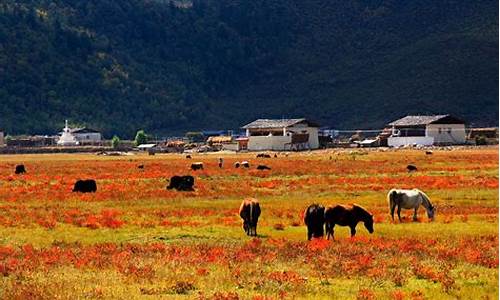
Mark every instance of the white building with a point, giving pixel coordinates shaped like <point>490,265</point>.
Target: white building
<point>2,139</point>
<point>427,131</point>
<point>86,135</point>
<point>282,134</point>
<point>67,138</point>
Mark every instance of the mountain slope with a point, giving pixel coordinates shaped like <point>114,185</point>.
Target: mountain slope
<point>123,65</point>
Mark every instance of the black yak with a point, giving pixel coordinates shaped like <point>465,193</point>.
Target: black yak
<point>314,218</point>
<point>263,167</point>
<point>85,186</point>
<point>20,169</point>
<point>250,212</point>
<point>197,166</point>
<point>411,168</point>
<point>181,183</point>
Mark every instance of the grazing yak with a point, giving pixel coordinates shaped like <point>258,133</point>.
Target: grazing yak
<point>140,166</point>
<point>263,167</point>
<point>197,166</point>
<point>188,156</point>
<point>263,155</point>
<point>250,212</point>
<point>85,186</point>
<point>181,183</point>
<point>314,218</point>
<point>429,152</point>
<point>237,164</point>
<point>411,168</point>
<point>20,169</point>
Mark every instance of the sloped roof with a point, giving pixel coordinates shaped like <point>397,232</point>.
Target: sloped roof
<point>426,120</point>
<point>220,139</point>
<point>277,123</point>
<point>83,130</point>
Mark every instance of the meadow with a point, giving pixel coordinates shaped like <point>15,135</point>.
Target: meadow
<point>135,239</point>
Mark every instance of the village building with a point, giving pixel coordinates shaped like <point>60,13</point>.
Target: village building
<point>282,134</point>
<point>427,131</point>
<point>87,136</point>
<point>485,136</point>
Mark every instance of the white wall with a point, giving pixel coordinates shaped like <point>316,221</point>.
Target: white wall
<point>2,140</point>
<point>231,147</point>
<point>313,134</point>
<point>88,137</point>
<point>446,133</point>
<point>398,141</point>
<point>259,143</point>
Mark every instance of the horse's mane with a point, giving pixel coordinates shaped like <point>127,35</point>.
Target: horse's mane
<point>424,195</point>
<point>361,209</point>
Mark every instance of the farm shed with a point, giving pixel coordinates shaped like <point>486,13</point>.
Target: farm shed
<point>282,134</point>
<point>427,131</point>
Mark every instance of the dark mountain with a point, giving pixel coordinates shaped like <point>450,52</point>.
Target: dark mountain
<point>122,65</point>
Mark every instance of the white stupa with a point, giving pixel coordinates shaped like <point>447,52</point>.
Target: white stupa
<point>67,138</point>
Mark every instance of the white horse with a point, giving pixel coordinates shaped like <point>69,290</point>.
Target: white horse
<point>409,199</point>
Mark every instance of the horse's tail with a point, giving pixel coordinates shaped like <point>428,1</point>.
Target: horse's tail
<point>391,197</point>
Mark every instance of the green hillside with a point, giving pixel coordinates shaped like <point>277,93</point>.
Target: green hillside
<point>121,65</point>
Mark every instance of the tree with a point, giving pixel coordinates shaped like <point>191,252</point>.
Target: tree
<point>141,138</point>
<point>115,142</point>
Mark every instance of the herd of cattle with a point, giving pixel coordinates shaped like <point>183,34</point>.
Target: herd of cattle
<point>317,218</point>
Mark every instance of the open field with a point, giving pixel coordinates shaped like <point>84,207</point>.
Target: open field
<point>135,239</point>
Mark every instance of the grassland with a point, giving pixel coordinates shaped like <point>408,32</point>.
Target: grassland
<point>135,239</point>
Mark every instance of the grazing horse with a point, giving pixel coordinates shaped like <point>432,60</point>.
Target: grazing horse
<point>409,199</point>
<point>347,215</point>
<point>314,218</point>
<point>250,212</point>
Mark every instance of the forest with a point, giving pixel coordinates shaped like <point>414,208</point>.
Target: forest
<point>170,66</point>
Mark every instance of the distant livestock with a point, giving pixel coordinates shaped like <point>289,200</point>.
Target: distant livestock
<point>85,186</point>
<point>263,155</point>
<point>245,164</point>
<point>263,167</point>
<point>429,152</point>
<point>140,166</point>
<point>197,166</point>
<point>221,162</point>
<point>237,164</point>
<point>347,215</point>
<point>314,218</point>
<point>181,183</point>
<point>411,168</point>
<point>20,169</point>
<point>188,156</point>
<point>250,212</point>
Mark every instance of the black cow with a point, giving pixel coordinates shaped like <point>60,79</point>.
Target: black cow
<point>140,166</point>
<point>314,218</point>
<point>20,169</point>
<point>411,168</point>
<point>250,212</point>
<point>263,167</point>
<point>181,183</point>
<point>197,166</point>
<point>85,186</point>
<point>188,156</point>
